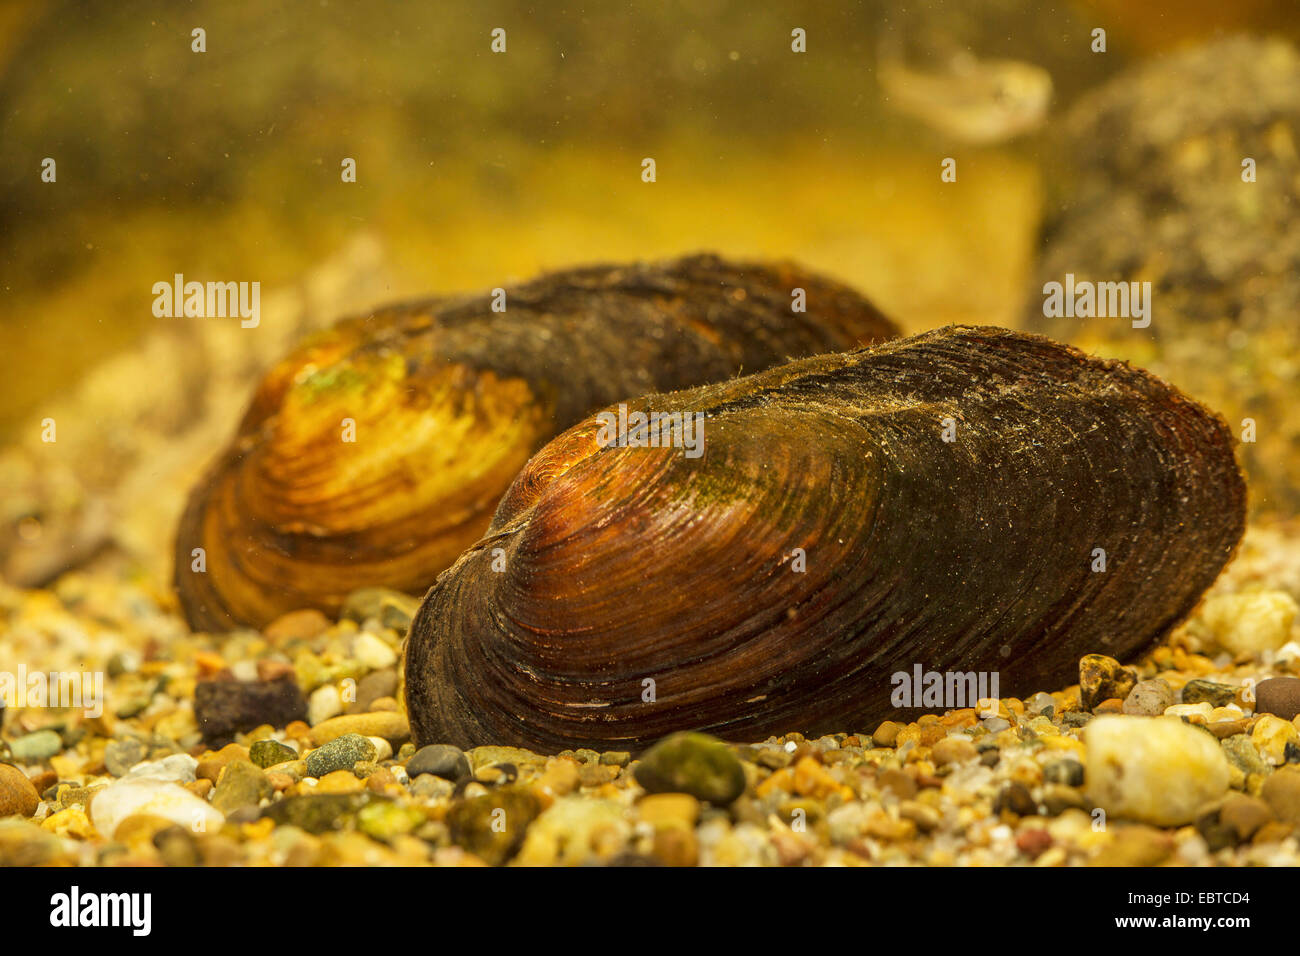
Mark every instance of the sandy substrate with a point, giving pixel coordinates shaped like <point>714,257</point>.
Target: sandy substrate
<point>329,777</point>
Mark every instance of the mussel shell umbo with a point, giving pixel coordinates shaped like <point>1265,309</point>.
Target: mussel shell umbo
<point>611,570</point>
<point>447,400</point>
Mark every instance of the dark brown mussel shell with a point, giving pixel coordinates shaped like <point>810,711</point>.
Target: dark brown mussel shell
<point>447,400</point>
<point>623,593</point>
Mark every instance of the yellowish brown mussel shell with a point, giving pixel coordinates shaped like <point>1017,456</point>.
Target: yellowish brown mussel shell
<point>940,501</point>
<point>377,452</point>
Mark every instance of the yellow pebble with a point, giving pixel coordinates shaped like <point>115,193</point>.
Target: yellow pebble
<point>258,829</point>
<point>71,822</point>
<point>340,781</point>
<point>1271,735</point>
<point>665,809</point>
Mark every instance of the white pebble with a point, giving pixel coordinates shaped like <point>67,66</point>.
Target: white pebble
<point>325,702</point>
<point>1203,710</point>
<point>245,670</point>
<point>383,749</point>
<point>171,801</point>
<point>373,653</point>
<point>177,768</point>
<point>1251,622</point>
<point>1157,770</point>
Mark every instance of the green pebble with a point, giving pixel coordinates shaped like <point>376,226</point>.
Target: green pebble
<point>693,763</point>
<point>386,820</point>
<point>1241,753</point>
<point>341,753</point>
<point>1205,691</point>
<point>268,753</point>
<point>492,826</point>
<point>40,745</point>
<point>318,812</point>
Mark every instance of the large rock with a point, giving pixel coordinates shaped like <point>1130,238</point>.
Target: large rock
<point>1148,182</point>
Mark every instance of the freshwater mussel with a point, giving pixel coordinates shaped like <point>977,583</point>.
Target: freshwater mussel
<point>376,452</point>
<point>966,500</point>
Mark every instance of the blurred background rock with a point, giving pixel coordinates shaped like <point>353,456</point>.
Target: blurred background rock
<point>1150,189</point>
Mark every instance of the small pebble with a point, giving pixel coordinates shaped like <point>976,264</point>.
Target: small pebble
<point>175,768</point>
<point>1279,696</point>
<point>1149,698</point>
<point>1196,713</point>
<point>18,797</point>
<point>1281,791</point>
<point>325,702</point>
<point>1272,735</point>
<point>693,763</point>
<point>36,746</point>
<point>1250,622</point>
<point>1217,695</point>
<point>121,755</point>
<point>341,753</point>
<point>1041,704</point>
<point>1015,796</point>
<point>392,609</point>
<point>372,653</point>
<point>242,784</point>
<point>493,825</point>
<point>1244,815</point>
<point>953,750</point>
<point>441,760</point>
<point>1242,754</point>
<point>1103,678</point>
<point>1066,772</point>
<point>126,798</point>
<point>391,726</point>
<point>664,809</point>
<point>296,626</point>
<point>886,734</point>
<point>268,753</point>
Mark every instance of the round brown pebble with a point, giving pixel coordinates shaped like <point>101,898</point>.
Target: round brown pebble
<point>1135,845</point>
<point>1281,791</point>
<point>898,781</point>
<point>296,626</point>
<point>213,762</point>
<point>17,795</point>
<point>1033,842</point>
<point>952,750</point>
<point>1244,815</point>
<point>676,846</point>
<point>1279,696</point>
<point>1015,797</point>
<point>886,734</point>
